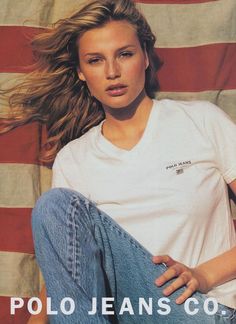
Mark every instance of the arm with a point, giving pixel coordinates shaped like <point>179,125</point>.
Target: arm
<point>42,317</point>
<point>204,277</point>
<point>233,186</point>
<point>224,263</point>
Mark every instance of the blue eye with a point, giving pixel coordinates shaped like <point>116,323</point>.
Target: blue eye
<point>94,60</point>
<point>126,54</point>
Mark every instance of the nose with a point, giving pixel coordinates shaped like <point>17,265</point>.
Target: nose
<point>112,70</point>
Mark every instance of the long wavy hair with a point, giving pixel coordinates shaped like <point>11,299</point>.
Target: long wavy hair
<point>53,94</point>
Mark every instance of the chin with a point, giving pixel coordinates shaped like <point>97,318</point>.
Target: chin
<point>118,102</point>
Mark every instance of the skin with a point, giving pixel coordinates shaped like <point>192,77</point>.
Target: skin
<point>109,55</point>
<point>112,55</point>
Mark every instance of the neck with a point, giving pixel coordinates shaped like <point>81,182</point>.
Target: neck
<point>127,120</point>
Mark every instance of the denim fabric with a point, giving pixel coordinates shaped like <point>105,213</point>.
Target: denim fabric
<point>83,253</point>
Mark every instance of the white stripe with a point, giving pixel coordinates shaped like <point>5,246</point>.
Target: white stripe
<point>19,274</point>
<point>22,184</point>
<point>7,80</point>
<point>36,13</point>
<point>224,98</point>
<point>179,25</point>
<point>175,25</point>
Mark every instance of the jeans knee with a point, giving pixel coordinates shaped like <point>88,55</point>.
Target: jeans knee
<point>50,206</point>
<point>53,206</point>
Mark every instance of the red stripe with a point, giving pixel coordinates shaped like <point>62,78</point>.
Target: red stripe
<point>173,1</point>
<point>15,230</point>
<point>21,315</point>
<point>16,55</point>
<point>208,67</point>
<point>22,144</point>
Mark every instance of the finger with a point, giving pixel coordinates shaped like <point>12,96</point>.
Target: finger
<point>163,259</point>
<point>192,287</point>
<point>170,273</point>
<point>182,280</point>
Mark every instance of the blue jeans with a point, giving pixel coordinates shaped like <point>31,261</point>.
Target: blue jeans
<point>85,254</point>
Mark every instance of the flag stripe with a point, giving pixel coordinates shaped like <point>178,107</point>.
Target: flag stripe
<point>15,230</point>
<point>13,266</point>
<point>16,54</point>
<point>192,25</point>
<point>22,184</point>
<point>38,13</point>
<point>21,316</point>
<point>172,24</point>
<point>26,148</point>
<point>209,67</point>
<point>224,98</point>
<point>174,1</point>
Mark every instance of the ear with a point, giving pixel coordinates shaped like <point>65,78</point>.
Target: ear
<point>80,75</point>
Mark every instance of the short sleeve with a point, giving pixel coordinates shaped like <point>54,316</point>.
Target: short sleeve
<point>222,133</point>
<point>58,177</point>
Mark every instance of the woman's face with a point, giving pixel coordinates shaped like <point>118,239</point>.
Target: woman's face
<point>112,63</point>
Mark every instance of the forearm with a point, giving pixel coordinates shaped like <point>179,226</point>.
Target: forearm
<point>218,270</point>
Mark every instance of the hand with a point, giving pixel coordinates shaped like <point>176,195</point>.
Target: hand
<point>192,278</point>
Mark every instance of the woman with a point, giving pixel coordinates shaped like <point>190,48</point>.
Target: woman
<point>158,168</point>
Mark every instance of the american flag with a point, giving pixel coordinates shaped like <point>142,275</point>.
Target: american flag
<point>196,40</point>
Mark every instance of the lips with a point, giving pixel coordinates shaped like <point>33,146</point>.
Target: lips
<point>115,90</point>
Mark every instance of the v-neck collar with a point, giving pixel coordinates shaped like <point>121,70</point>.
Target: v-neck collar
<point>111,149</point>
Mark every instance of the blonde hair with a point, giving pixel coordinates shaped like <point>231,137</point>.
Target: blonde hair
<point>53,94</point>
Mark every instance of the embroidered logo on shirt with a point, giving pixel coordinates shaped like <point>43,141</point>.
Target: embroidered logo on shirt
<point>179,171</point>
<point>179,166</point>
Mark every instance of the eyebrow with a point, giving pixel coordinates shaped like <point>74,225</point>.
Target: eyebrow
<point>118,50</point>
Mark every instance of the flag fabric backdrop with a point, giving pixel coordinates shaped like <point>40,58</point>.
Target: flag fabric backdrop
<point>196,39</point>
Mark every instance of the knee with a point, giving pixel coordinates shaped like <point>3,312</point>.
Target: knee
<point>54,205</point>
<point>51,206</point>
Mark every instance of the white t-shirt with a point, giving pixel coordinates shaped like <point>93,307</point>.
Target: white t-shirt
<point>169,191</point>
